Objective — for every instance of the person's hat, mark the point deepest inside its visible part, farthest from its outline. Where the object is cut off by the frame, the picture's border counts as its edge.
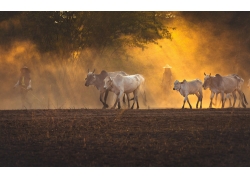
(26, 68)
(167, 66)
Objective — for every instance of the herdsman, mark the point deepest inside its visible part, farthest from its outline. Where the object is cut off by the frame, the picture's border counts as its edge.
(167, 79)
(24, 84)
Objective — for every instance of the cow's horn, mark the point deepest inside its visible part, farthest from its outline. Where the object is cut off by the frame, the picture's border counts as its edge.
(204, 73)
(210, 74)
(93, 71)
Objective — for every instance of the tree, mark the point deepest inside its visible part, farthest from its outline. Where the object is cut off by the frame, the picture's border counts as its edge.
(70, 31)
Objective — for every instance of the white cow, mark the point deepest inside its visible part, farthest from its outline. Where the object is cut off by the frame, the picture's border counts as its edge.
(124, 84)
(189, 87)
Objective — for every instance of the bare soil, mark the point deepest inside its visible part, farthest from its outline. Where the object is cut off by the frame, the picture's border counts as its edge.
(121, 138)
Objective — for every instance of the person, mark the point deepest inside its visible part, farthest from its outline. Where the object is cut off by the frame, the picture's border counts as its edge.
(24, 83)
(167, 78)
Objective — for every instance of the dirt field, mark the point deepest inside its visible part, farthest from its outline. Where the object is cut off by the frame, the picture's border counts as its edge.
(155, 137)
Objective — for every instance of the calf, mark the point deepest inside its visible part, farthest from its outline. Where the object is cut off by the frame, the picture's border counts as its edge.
(189, 87)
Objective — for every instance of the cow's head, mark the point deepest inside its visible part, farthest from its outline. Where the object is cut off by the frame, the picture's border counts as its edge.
(108, 82)
(177, 85)
(91, 78)
(207, 81)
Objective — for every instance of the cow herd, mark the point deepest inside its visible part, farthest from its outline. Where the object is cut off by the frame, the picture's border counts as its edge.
(226, 86)
(117, 82)
(122, 84)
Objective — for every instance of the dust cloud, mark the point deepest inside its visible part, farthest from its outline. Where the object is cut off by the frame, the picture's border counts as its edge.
(58, 82)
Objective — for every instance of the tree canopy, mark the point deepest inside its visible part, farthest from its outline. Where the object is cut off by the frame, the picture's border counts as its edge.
(69, 31)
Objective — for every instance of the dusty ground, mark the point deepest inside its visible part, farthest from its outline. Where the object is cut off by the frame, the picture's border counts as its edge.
(155, 137)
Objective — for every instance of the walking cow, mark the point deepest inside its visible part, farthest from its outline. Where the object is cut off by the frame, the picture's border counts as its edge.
(230, 95)
(124, 84)
(189, 87)
(224, 85)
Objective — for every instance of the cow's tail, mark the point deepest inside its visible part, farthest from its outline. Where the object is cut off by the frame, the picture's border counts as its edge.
(142, 90)
(245, 100)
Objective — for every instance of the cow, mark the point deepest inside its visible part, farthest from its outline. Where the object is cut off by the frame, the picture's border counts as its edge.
(189, 87)
(124, 84)
(230, 95)
(224, 85)
(98, 81)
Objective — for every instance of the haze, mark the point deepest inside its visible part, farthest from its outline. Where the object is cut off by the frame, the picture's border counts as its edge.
(211, 42)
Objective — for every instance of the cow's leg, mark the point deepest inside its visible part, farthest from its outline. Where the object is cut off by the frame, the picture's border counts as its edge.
(123, 99)
(137, 103)
(128, 100)
(225, 99)
(113, 107)
(118, 100)
(189, 103)
(200, 102)
(104, 104)
(184, 102)
(222, 99)
(201, 97)
(105, 99)
(132, 107)
(134, 100)
(186, 99)
(198, 96)
(234, 96)
(211, 99)
(216, 96)
(119, 105)
(230, 102)
(240, 99)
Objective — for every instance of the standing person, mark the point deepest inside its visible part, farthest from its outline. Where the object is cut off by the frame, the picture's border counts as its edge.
(24, 83)
(167, 79)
